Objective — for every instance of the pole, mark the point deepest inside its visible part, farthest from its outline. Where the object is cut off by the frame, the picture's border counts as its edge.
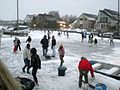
(118, 19)
(17, 14)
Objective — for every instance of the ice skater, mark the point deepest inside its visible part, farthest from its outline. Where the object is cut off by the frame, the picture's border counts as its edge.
(82, 36)
(90, 40)
(44, 43)
(15, 42)
(61, 54)
(111, 40)
(95, 42)
(53, 44)
(26, 57)
(68, 35)
(29, 39)
(35, 64)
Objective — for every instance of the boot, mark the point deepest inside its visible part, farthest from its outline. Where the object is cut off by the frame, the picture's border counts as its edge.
(28, 72)
(23, 69)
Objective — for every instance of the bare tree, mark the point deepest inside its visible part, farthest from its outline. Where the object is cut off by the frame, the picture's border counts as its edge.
(69, 18)
(55, 14)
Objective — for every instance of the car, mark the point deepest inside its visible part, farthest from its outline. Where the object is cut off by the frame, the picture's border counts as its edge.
(21, 30)
(107, 35)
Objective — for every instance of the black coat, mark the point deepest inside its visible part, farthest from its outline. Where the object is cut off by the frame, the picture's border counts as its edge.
(35, 61)
(95, 41)
(18, 42)
(44, 43)
(29, 39)
(53, 42)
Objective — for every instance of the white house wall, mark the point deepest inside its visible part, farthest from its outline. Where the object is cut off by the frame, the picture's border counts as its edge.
(28, 19)
(81, 22)
(84, 21)
(113, 23)
(110, 22)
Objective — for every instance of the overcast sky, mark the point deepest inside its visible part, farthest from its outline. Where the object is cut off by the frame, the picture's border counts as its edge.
(74, 7)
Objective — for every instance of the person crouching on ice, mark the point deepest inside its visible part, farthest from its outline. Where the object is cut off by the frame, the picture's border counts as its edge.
(84, 67)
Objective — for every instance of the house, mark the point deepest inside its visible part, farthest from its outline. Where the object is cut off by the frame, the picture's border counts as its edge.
(44, 21)
(29, 18)
(107, 20)
(85, 21)
(63, 25)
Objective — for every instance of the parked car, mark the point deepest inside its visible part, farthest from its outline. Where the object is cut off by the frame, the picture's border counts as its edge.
(21, 31)
(107, 35)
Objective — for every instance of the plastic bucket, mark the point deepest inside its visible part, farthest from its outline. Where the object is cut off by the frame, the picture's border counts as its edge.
(61, 71)
(100, 86)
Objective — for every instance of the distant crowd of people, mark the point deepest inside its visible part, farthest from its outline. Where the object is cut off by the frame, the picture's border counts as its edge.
(93, 41)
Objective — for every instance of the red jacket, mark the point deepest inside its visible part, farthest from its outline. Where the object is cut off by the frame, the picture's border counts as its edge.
(85, 65)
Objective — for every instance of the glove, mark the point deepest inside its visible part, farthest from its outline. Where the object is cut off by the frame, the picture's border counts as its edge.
(92, 78)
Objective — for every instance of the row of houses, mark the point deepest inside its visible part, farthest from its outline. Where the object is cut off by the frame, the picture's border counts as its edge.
(38, 21)
(106, 20)
(45, 21)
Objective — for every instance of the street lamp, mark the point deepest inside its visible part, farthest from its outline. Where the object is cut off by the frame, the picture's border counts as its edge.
(34, 25)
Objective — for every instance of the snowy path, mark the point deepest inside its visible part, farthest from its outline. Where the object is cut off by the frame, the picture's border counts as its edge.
(74, 48)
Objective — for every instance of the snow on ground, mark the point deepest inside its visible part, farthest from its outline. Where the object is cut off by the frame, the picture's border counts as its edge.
(74, 49)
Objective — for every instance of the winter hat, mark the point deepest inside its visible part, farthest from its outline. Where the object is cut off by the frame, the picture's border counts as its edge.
(61, 45)
(28, 46)
(53, 36)
(83, 58)
(33, 51)
(45, 36)
(15, 37)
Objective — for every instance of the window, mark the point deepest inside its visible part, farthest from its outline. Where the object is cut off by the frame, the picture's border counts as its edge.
(104, 19)
(81, 19)
(85, 19)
